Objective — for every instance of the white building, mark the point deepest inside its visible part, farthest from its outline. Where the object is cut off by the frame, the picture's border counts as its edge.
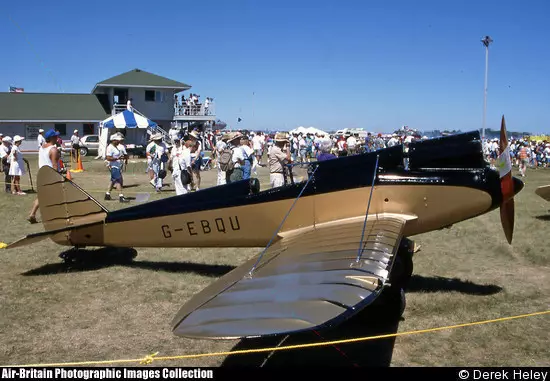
(152, 95)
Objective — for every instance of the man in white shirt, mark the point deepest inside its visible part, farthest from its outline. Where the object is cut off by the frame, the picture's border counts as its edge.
(206, 105)
(258, 148)
(352, 143)
(115, 156)
(393, 141)
(75, 142)
(129, 105)
(40, 139)
(220, 146)
(175, 134)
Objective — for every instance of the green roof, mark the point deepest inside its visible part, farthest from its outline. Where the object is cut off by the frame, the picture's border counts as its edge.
(140, 78)
(51, 106)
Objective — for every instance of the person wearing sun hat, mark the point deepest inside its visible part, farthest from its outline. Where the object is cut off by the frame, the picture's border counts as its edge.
(278, 158)
(5, 150)
(40, 138)
(236, 173)
(115, 156)
(17, 166)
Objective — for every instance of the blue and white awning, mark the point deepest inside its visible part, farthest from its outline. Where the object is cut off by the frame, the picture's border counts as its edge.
(127, 119)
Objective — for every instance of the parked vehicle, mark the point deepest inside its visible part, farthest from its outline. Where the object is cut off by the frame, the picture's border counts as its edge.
(88, 144)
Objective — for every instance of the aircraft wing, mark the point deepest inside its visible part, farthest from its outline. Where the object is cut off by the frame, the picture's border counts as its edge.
(307, 279)
(544, 192)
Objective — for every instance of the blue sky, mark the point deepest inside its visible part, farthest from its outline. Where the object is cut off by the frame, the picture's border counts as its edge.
(280, 64)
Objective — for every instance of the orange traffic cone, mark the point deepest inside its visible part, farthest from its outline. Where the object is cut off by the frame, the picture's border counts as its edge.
(60, 164)
(79, 167)
(68, 176)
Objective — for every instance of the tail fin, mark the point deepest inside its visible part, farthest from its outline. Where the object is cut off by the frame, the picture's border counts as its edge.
(63, 204)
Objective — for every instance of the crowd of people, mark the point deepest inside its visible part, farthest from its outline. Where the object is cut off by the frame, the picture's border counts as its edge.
(236, 155)
(192, 105)
(523, 153)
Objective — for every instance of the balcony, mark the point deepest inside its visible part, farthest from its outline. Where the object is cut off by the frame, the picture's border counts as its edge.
(195, 112)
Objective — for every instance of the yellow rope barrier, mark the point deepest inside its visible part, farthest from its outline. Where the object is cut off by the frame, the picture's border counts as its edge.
(150, 358)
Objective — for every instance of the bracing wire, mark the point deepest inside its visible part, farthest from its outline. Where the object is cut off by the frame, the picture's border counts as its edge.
(283, 221)
(360, 250)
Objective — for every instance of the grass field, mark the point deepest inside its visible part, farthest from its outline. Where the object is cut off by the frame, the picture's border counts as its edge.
(109, 310)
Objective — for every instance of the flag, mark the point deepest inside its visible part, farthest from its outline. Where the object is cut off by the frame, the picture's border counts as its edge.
(16, 89)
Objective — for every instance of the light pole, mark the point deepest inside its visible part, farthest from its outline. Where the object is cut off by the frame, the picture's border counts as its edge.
(486, 41)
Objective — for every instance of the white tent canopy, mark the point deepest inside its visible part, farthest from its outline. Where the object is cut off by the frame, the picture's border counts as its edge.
(306, 130)
(135, 124)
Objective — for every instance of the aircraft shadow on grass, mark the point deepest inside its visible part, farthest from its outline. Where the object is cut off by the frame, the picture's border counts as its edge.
(370, 353)
(372, 321)
(419, 283)
(91, 260)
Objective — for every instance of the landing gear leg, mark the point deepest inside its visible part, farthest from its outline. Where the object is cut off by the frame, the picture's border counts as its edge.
(392, 301)
(403, 266)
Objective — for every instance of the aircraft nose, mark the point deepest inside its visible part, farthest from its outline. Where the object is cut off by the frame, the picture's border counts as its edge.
(518, 185)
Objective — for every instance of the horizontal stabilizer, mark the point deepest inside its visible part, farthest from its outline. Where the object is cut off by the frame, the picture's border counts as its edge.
(37, 237)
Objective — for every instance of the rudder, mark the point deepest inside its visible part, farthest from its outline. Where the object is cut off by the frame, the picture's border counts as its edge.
(63, 203)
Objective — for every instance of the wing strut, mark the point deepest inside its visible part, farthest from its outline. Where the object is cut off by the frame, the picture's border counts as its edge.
(249, 275)
(361, 248)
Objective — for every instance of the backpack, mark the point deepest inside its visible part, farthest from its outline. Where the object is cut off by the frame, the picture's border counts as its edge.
(226, 160)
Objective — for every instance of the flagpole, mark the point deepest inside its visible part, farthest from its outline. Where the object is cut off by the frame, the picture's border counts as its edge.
(486, 41)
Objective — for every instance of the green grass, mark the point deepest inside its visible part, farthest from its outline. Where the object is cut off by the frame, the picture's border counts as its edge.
(110, 311)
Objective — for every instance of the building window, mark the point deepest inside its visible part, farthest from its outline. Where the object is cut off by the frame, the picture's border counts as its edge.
(149, 95)
(31, 131)
(61, 127)
(88, 128)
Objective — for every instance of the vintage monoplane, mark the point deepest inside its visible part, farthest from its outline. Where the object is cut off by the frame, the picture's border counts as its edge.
(333, 242)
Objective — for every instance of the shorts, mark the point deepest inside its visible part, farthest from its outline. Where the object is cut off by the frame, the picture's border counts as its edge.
(235, 175)
(276, 180)
(258, 152)
(116, 175)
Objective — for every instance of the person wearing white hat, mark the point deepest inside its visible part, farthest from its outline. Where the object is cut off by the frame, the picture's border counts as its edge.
(5, 150)
(40, 139)
(17, 166)
(115, 156)
(75, 141)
